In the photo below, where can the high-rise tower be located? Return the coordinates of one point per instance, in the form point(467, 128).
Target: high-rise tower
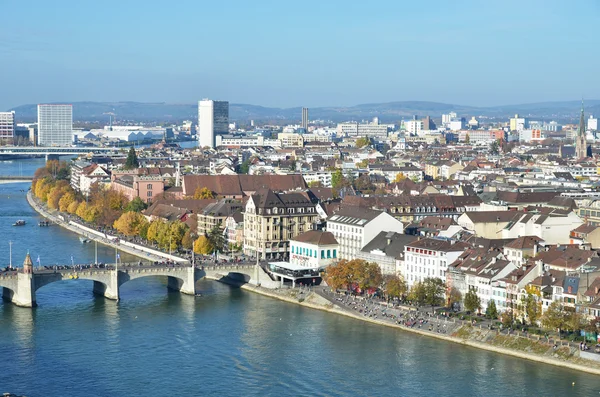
point(55, 125)
point(213, 120)
point(582, 150)
point(305, 119)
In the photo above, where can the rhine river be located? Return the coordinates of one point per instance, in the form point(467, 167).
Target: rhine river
point(228, 342)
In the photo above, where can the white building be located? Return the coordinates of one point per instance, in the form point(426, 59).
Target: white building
point(456, 124)
point(413, 126)
point(213, 120)
point(552, 229)
point(429, 258)
point(314, 249)
point(55, 125)
point(7, 125)
point(592, 123)
point(362, 130)
point(354, 227)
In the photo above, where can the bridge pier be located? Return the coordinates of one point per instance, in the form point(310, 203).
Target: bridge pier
point(108, 288)
point(23, 294)
point(186, 285)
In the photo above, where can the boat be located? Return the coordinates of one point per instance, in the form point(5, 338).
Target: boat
point(84, 240)
point(20, 222)
point(44, 223)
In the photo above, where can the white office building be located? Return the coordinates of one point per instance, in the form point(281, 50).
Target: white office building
point(213, 120)
point(55, 125)
point(592, 123)
point(7, 125)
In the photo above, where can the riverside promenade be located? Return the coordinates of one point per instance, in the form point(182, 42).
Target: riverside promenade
point(140, 251)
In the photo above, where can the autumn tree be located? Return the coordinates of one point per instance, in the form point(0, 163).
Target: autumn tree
point(472, 301)
point(434, 291)
point(394, 287)
point(187, 241)
point(202, 246)
point(65, 201)
point(72, 208)
point(399, 177)
point(367, 274)
point(507, 318)
point(131, 224)
point(532, 306)
point(313, 184)
point(203, 193)
point(554, 318)
point(82, 209)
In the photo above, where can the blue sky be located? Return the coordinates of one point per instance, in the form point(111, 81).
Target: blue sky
point(308, 53)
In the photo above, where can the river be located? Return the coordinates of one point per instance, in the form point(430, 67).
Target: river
point(228, 342)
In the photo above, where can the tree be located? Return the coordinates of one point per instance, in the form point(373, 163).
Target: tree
point(216, 238)
point(203, 193)
point(399, 177)
point(434, 291)
point(136, 205)
point(472, 301)
point(574, 321)
point(176, 231)
point(313, 184)
point(245, 167)
point(417, 293)
point(72, 208)
point(202, 246)
point(82, 209)
point(491, 312)
point(65, 201)
point(368, 274)
point(131, 223)
point(507, 318)
point(532, 306)
point(187, 241)
point(363, 184)
point(394, 287)
point(132, 160)
point(337, 179)
point(153, 230)
point(454, 297)
point(362, 142)
point(363, 163)
point(467, 139)
point(495, 147)
point(554, 317)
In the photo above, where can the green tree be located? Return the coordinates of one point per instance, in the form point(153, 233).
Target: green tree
point(314, 184)
point(132, 160)
point(554, 317)
point(216, 238)
point(491, 311)
point(495, 147)
point(434, 291)
point(245, 167)
point(472, 301)
point(532, 307)
point(467, 139)
point(507, 318)
point(418, 293)
point(394, 287)
point(136, 205)
point(368, 274)
point(362, 142)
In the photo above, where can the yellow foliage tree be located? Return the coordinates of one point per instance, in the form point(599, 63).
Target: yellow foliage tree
point(153, 230)
point(203, 193)
point(399, 177)
point(82, 210)
point(203, 246)
point(65, 201)
point(92, 213)
point(72, 208)
point(131, 223)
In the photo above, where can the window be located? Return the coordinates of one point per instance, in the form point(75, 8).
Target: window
point(328, 254)
point(149, 194)
point(334, 254)
point(149, 186)
point(322, 254)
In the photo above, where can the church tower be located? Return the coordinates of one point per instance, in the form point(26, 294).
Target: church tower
point(582, 150)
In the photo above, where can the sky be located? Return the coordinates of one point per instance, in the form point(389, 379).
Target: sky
point(308, 53)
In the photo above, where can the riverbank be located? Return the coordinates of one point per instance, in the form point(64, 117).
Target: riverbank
point(465, 335)
point(515, 346)
point(141, 252)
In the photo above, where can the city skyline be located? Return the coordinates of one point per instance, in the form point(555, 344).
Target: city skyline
point(504, 53)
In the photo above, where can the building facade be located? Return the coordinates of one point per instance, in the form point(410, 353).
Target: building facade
point(7, 125)
point(55, 125)
point(213, 120)
point(305, 119)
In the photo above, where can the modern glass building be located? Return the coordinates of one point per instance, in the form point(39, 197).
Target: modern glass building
point(213, 120)
point(55, 125)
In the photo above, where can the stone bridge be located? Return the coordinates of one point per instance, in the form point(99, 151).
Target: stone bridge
point(20, 288)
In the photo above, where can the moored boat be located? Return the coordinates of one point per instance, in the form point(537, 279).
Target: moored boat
point(20, 222)
point(84, 240)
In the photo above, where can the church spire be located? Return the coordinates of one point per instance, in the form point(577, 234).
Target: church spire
point(582, 121)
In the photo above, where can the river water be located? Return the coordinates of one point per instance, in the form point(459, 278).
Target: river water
point(228, 342)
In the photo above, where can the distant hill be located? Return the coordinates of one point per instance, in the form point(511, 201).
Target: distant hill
point(565, 111)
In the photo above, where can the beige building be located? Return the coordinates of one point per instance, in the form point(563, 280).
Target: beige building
point(272, 219)
point(486, 224)
point(290, 139)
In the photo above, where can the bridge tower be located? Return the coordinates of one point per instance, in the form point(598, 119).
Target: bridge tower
point(25, 292)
